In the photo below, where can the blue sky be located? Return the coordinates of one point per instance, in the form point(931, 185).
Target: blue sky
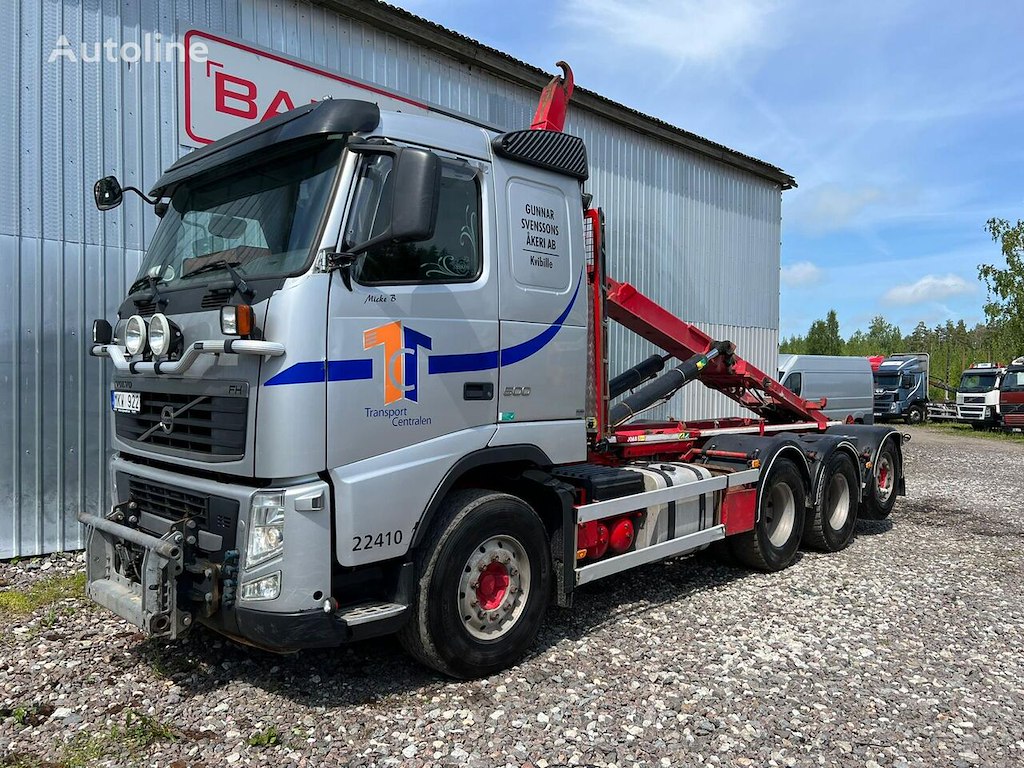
point(902, 122)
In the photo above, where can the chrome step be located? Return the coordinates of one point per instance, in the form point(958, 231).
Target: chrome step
point(364, 613)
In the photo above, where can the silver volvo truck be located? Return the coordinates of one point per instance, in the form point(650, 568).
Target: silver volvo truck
point(352, 396)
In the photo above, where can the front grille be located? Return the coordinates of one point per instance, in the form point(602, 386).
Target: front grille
point(167, 502)
point(974, 399)
point(972, 412)
point(214, 514)
point(210, 425)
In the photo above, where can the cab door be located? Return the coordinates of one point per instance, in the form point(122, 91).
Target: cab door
point(412, 343)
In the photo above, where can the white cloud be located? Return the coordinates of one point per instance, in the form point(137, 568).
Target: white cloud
point(686, 32)
point(801, 273)
point(928, 288)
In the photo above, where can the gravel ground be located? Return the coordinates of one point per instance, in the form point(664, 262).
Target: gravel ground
point(906, 649)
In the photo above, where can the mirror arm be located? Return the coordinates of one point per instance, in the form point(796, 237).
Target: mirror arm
point(139, 192)
point(342, 261)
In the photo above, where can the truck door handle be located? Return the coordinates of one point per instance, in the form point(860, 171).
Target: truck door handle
point(478, 390)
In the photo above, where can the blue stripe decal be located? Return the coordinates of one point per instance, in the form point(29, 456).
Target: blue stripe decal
point(316, 372)
point(477, 361)
point(349, 370)
point(300, 373)
point(483, 361)
point(319, 371)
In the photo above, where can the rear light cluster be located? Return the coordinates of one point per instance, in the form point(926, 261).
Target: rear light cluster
point(598, 538)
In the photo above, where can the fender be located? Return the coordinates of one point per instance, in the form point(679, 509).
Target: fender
point(869, 440)
point(768, 449)
point(529, 455)
point(826, 445)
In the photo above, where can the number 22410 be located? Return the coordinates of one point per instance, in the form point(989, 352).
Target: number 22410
point(369, 541)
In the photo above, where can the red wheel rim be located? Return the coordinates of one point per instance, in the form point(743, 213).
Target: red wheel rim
point(492, 586)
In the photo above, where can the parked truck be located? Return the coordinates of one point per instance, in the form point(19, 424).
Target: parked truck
point(1011, 396)
point(360, 387)
point(901, 388)
point(977, 396)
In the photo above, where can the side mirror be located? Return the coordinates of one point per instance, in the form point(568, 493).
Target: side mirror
point(414, 187)
point(417, 189)
point(108, 193)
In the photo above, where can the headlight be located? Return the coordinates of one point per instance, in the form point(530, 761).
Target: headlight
point(135, 335)
point(266, 528)
point(159, 334)
point(266, 588)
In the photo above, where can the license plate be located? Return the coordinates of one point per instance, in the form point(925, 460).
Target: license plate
point(126, 402)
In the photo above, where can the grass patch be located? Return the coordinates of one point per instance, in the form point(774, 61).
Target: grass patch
point(28, 714)
point(951, 428)
point(43, 593)
point(138, 732)
point(267, 738)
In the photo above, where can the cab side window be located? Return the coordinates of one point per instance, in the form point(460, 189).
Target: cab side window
point(452, 255)
point(794, 383)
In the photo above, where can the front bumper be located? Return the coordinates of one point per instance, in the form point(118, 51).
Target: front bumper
point(164, 571)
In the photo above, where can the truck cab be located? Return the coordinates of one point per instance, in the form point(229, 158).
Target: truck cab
point(1011, 396)
point(901, 388)
point(977, 396)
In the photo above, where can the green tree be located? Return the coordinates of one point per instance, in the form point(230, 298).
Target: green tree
point(1004, 307)
point(823, 337)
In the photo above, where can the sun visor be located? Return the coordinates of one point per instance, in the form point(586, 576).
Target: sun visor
point(332, 116)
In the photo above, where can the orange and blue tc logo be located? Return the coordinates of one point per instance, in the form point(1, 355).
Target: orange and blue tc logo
point(401, 366)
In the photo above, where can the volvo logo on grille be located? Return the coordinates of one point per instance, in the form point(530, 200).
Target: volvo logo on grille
point(167, 419)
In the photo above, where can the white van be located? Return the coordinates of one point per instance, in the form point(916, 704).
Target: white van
point(845, 382)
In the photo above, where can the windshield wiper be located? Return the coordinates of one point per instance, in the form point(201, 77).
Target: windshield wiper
point(215, 266)
point(152, 282)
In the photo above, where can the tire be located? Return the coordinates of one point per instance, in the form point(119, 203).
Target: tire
point(483, 585)
point(880, 497)
point(833, 523)
point(978, 427)
point(774, 542)
point(915, 415)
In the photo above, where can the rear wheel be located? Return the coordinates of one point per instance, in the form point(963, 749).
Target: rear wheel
point(832, 525)
point(880, 497)
point(484, 578)
point(774, 542)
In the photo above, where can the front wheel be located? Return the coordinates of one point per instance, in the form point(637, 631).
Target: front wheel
point(484, 577)
point(915, 415)
point(774, 542)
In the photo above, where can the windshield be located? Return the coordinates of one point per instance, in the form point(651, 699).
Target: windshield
point(977, 382)
point(1013, 382)
point(887, 381)
point(260, 220)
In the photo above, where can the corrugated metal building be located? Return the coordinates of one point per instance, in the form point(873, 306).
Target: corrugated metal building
point(692, 223)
